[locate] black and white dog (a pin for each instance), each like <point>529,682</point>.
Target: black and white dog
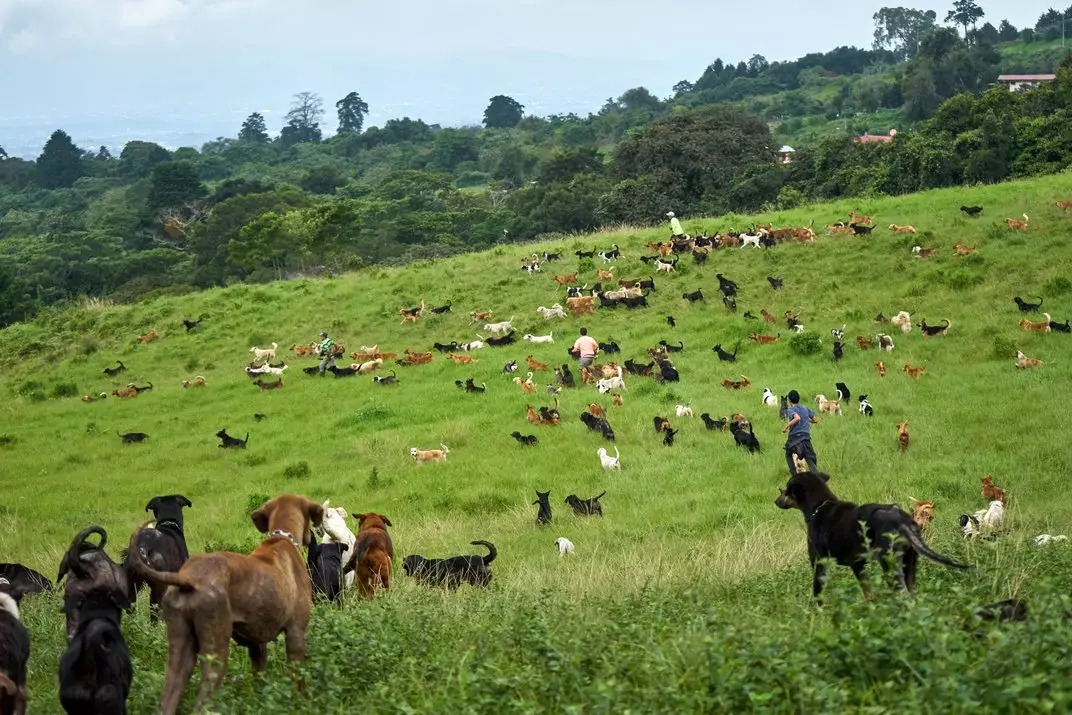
<point>14,654</point>
<point>865,407</point>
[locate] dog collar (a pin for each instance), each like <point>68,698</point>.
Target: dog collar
<point>818,509</point>
<point>287,535</point>
<point>170,523</point>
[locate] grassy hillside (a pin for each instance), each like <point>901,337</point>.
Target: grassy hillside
<point>690,535</point>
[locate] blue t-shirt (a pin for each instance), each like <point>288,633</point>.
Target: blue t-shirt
<point>802,429</point>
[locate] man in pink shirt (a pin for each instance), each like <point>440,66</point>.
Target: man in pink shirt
<point>586,349</point>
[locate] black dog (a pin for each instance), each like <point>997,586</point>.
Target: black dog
<point>598,424</point>
<point>694,296</point>
<point>325,567</point>
<point>446,347</point>
<point>586,507</point>
<point>191,324</point>
<point>510,367</point>
<point>471,386</point>
<point>132,437</point>
<point>525,440</point>
<point>646,284</point>
<point>505,340</point>
<point>566,376</point>
<point>95,671</point>
<point>1026,307</point>
<point>844,390</point>
<point>230,442</point>
<point>259,416</point>
<point>713,424</point>
<point>728,287</point>
<point>1060,327</point>
<point>670,321</point>
<point>700,256</point>
<point>611,347</point>
<point>725,356</point>
<point>667,372</point>
<point>972,211</point>
<point>839,350</point>
<point>834,532</point>
<point>783,408</point>
<point>775,283</point>
<point>1013,609</point>
<point>22,581</point>
<point>140,390</point>
<point>585,254</point>
<point>605,302</point>
<point>865,407</point>
<point>442,309</point>
<point>311,370</point>
<point>671,348</point>
<point>391,379</point>
<point>90,568</point>
<point>163,546</point>
<point>668,436</point>
<point>342,371</point>
<point>861,230</point>
<point>744,439</point>
<point>730,303</point>
<point>551,256</point>
<point>543,516</point>
<point>14,654</point>
<point>113,371</point>
<point>750,315</point>
<point>452,572</point>
<point>640,301</point>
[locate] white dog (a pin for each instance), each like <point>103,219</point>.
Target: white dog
<point>475,345</point>
<point>335,531</point>
<point>982,520</point>
<point>747,240</point>
<point>798,328</point>
<point>769,398</point>
<point>684,410</point>
<point>660,266</point>
<point>265,354</point>
<point>268,370</point>
<point>1043,539</point>
<point>555,311</point>
<point>564,546</point>
<point>611,383</point>
<point>550,338</point>
<point>903,320</point>
<point>499,328</point>
<point>885,342</point>
<point>607,461</point>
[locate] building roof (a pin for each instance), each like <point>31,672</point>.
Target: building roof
<point>867,138</point>
<point>1025,77</point>
<point>786,149</point>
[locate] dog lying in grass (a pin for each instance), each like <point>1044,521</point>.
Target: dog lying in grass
<point>834,531</point>
<point>452,572</point>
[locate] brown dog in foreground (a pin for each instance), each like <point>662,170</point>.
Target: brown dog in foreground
<point>221,595</point>
<point>373,555</point>
<point>902,436</point>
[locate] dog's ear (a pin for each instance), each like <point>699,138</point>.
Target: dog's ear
<point>825,477</point>
<point>360,518</point>
<point>386,520</point>
<point>183,501</point>
<point>314,511</point>
<point>261,517</point>
<point>153,503</point>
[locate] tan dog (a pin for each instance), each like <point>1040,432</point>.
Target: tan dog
<point>587,376</point>
<point>1063,205</point>
<point>302,350</point>
<point>617,400</point>
<point>922,252</point>
<point>253,599</point>
<point>963,250</point>
<point>864,343</point>
<point>1015,225</point>
<point>605,275</point>
<point>148,337</point>
<point>881,367</point>
<point>410,315</point>
<point>125,393</point>
<point>767,316</point>
<point>369,366</point>
<point>198,381</point>
<point>801,465</point>
<point>263,354</point>
<point>373,555</point>
<point>737,384</point>
<point>535,365</point>
<point>610,370</point>
<point>764,339</point>
<point>597,410</point>
<point>902,436</point>
<point>479,316</point>
<point>901,229</point>
<point>922,513</point>
<point>859,218</point>
<point>461,359</point>
<point>831,407</point>
<point>1024,362</point>
<point>420,456</point>
<point>565,280</point>
<point>527,386</point>
<point>913,371</point>
<point>582,305</point>
<point>1043,327</point>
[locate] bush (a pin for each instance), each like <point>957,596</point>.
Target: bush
<point>806,344</point>
<point>1058,286</point>
<point>299,470</point>
<point>32,390</point>
<point>64,389</point>
<point>1003,349</point>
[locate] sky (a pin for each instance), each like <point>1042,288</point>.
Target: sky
<point>185,71</point>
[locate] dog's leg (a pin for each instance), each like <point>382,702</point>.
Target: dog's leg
<point>213,624</point>
<point>182,657</point>
<point>911,561</point>
<point>859,569</point>
<point>258,656</point>
<point>818,577</point>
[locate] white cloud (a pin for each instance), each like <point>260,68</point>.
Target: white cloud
<point>148,13</point>
<point>22,41</point>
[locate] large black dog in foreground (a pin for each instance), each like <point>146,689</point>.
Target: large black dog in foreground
<point>835,531</point>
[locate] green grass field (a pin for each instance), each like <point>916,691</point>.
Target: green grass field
<point>692,593</point>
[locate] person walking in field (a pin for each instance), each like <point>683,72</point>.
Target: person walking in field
<point>326,346</point>
<point>798,443</point>
<point>585,349</point>
<point>675,226</point>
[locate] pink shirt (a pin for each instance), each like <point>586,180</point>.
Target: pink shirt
<point>587,346</point>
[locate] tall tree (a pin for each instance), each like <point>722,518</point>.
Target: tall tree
<point>3,154</point>
<point>1007,32</point>
<point>303,120</point>
<point>352,111</point>
<point>138,158</point>
<point>900,29</point>
<point>173,185</point>
<point>965,13</point>
<point>60,163</point>
<point>639,98</point>
<point>503,112</point>
<point>254,130</point>
<point>757,64</point>
<point>104,154</point>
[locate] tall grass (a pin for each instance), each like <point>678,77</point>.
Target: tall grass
<point>692,576</point>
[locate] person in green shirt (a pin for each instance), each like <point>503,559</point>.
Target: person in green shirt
<point>326,344</point>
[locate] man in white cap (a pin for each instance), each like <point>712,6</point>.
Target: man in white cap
<point>675,225</point>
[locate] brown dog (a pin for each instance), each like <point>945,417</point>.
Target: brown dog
<point>902,436</point>
<point>565,280</point>
<point>410,315</point>
<point>922,513</point>
<point>1015,225</point>
<point>902,229</point>
<point>963,250</point>
<point>373,554</point>
<point>221,595</point>
<point>479,316</point>
<point>1063,205</point>
<point>461,359</point>
<point>535,365</point>
<point>737,384</point>
<point>277,385</point>
<point>859,218</point>
<point>1042,327</point>
<point>992,492</point>
<point>864,343</point>
<point>148,337</point>
<point>913,371</point>
<point>125,393</point>
<point>617,400</point>
<point>767,316</point>
<point>604,275</point>
<point>881,367</point>
<point>597,410</point>
<point>764,339</point>
<point>1024,362</point>
<point>582,305</point>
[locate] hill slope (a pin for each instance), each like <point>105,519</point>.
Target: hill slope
<point>697,515</point>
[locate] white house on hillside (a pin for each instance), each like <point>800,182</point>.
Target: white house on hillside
<point>1020,82</point>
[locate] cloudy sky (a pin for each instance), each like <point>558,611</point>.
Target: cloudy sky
<point>148,68</point>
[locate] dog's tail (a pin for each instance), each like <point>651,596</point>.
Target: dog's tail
<point>600,496</point>
<point>71,561</point>
<point>839,396</point>
<point>140,566</point>
<point>948,323</point>
<point>1026,219</point>
<point>150,386</point>
<point>1047,317</point>
<point>246,440</point>
<point>735,349</point>
<point>616,454</point>
<point>446,450</point>
<point>274,346</point>
<point>910,532</point>
<point>492,553</point>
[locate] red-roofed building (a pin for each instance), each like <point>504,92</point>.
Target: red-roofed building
<point>1020,82</point>
<point>873,138</point>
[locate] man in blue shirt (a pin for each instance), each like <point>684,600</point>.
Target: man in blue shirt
<point>798,442</point>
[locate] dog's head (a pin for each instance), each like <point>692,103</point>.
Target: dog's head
<point>372,520</point>
<point>333,522</point>
<point>802,488</point>
<point>290,513</point>
<point>413,564</point>
<point>414,452</point>
<point>169,506</point>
